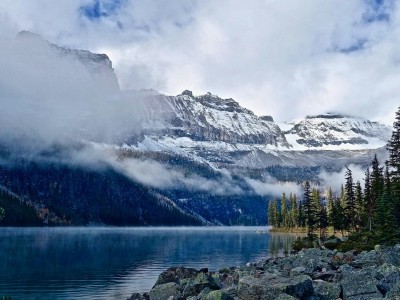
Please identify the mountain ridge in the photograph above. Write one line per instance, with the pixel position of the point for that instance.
(138, 157)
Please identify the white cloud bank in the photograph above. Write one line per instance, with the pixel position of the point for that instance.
(155, 174)
(284, 58)
(335, 180)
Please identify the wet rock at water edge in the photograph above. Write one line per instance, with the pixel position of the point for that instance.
(270, 286)
(164, 291)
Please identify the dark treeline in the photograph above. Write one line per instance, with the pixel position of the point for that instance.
(19, 212)
(368, 213)
(62, 194)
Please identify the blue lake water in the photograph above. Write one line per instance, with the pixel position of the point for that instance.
(112, 263)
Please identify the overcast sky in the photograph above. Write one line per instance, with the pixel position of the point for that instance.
(282, 58)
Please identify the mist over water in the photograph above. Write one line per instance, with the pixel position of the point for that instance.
(112, 263)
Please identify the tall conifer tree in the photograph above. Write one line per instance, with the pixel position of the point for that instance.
(349, 207)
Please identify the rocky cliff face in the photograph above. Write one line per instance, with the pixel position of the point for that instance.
(206, 118)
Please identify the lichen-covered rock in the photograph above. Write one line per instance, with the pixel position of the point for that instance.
(225, 280)
(366, 259)
(197, 284)
(326, 290)
(325, 275)
(137, 296)
(388, 276)
(270, 286)
(386, 270)
(391, 256)
(340, 259)
(231, 291)
(285, 297)
(313, 260)
(297, 271)
(164, 291)
(217, 295)
(394, 292)
(176, 275)
(359, 284)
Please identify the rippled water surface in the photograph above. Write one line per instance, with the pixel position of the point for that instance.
(112, 263)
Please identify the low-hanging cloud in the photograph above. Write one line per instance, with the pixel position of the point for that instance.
(335, 180)
(155, 174)
(49, 97)
(273, 188)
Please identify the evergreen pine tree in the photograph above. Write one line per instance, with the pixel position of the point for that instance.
(385, 224)
(271, 214)
(277, 214)
(284, 211)
(339, 216)
(359, 207)
(394, 147)
(349, 207)
(308, 209)
(322, 221)
(394, 163)
(377, 185)
(301, 220)
(293, 211)
(329, 198)
(368, 205)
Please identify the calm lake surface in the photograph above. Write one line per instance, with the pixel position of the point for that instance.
(112, 263)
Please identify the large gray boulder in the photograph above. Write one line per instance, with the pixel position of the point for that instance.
(359, 284)
(388, 276)
(366, 259)
(217, 295)
(200, 282)
(313, 260)
(164, 291)
(394, 292)
(270, 286)
(326, 290)
(391, 255)
(176, 274)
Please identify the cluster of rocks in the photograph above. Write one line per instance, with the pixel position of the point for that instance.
(310, 274)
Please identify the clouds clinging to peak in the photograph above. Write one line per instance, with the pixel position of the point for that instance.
(284, 58)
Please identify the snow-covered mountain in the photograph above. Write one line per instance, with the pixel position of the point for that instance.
(336, 132)
(142, 157)
(224, 134)
(205, 118)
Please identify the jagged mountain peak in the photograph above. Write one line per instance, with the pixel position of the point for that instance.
(206, 118)
(334, 130)
(215, 102)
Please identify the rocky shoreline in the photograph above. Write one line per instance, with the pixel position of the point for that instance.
(310, 274)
